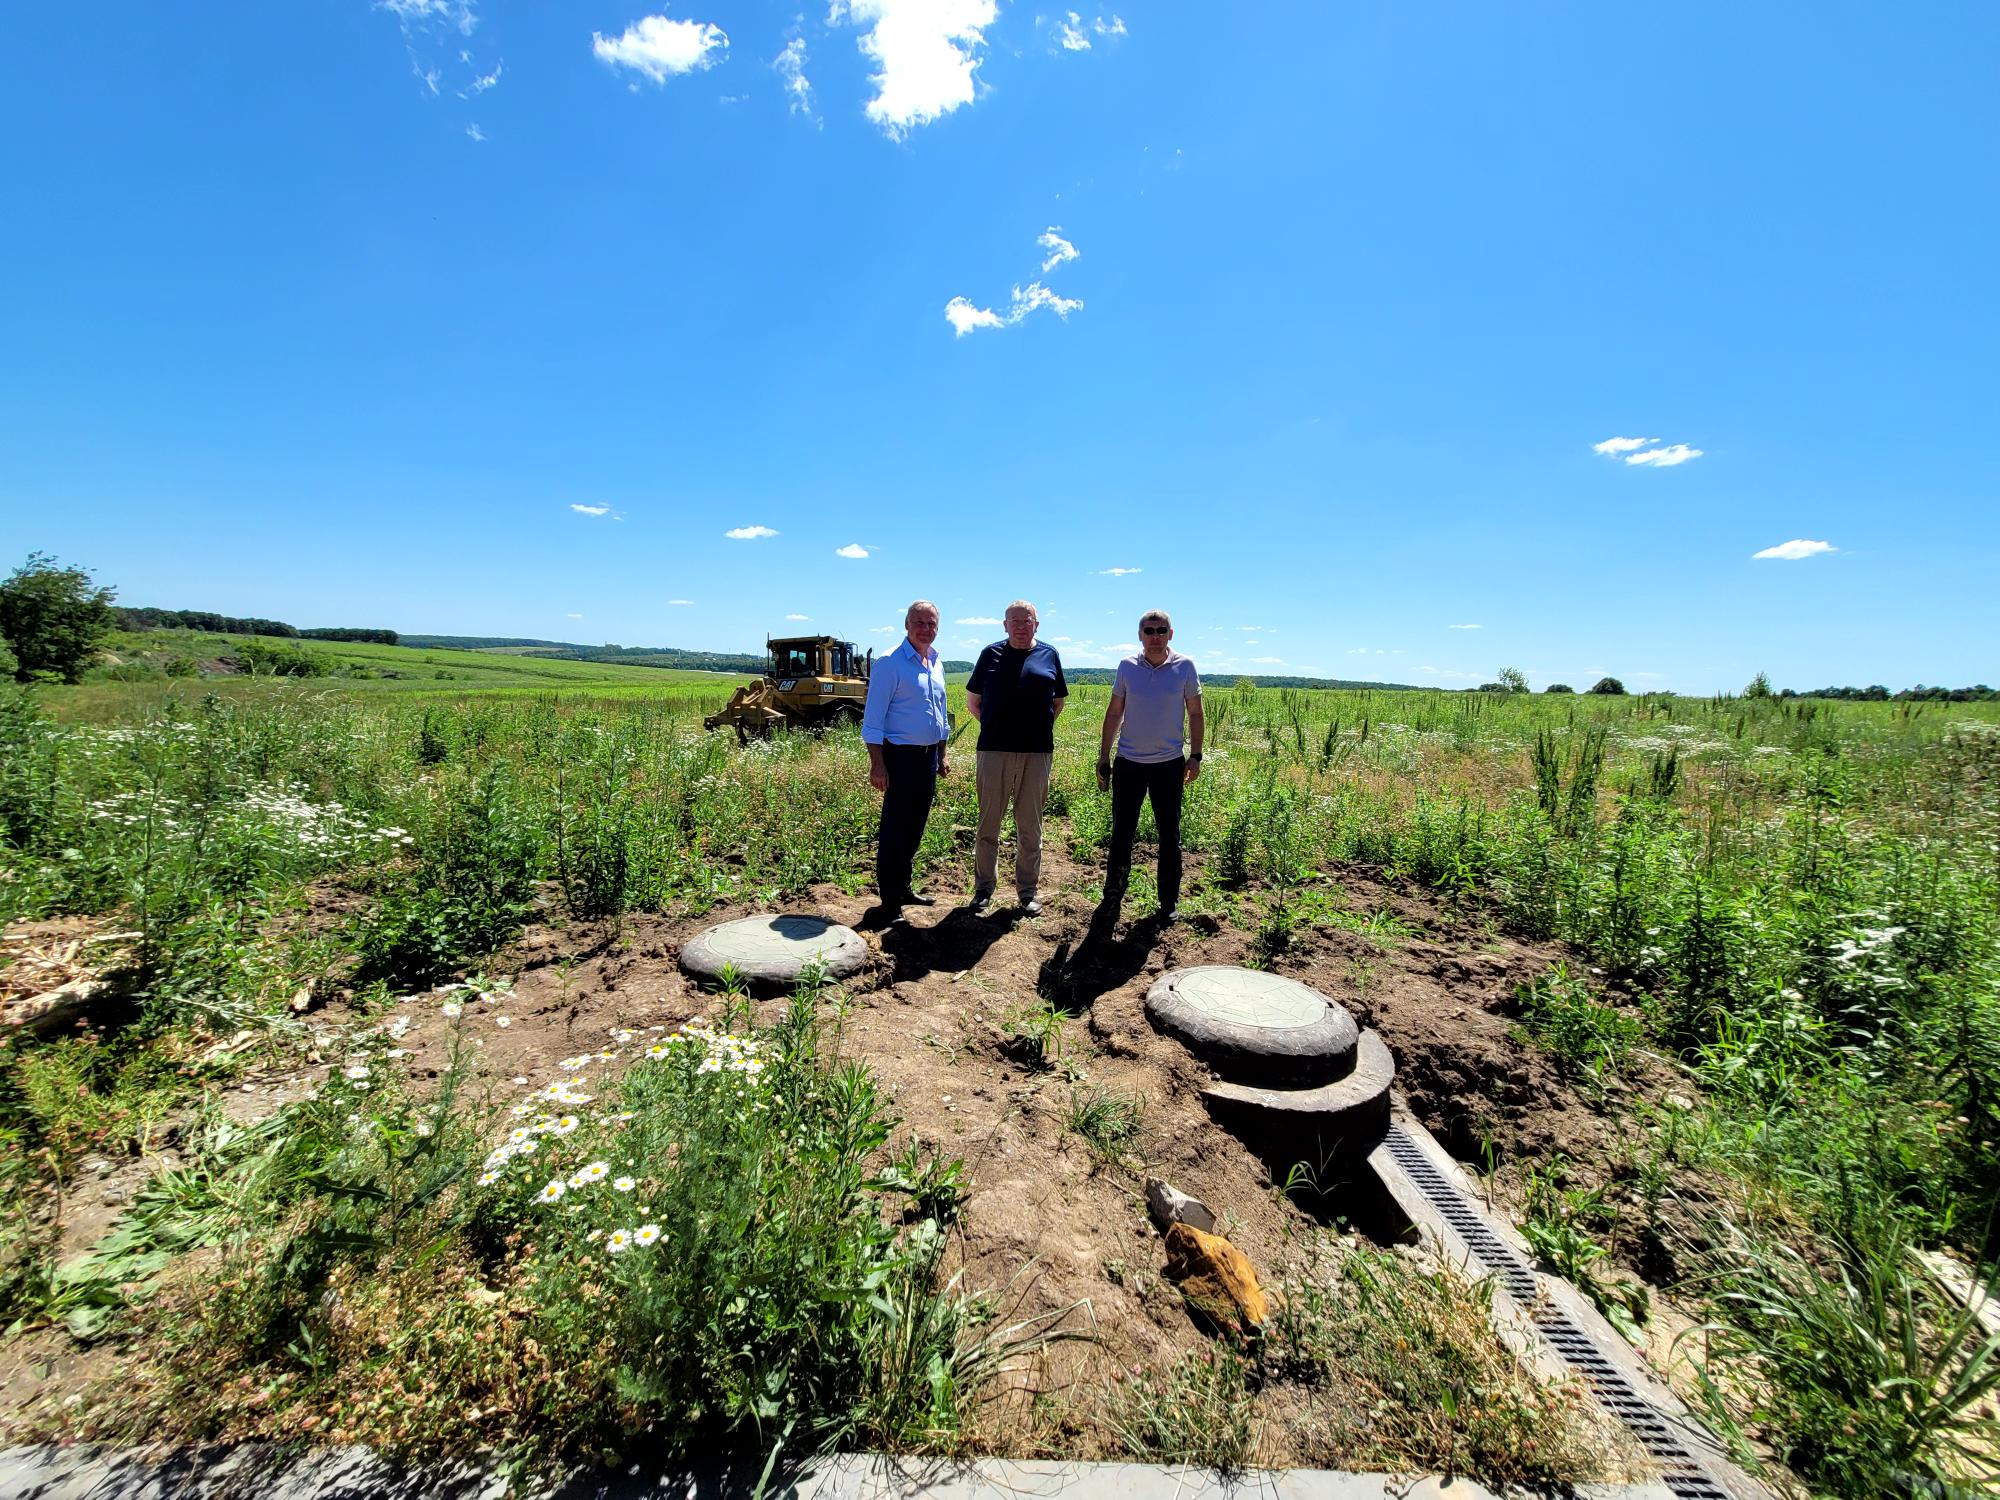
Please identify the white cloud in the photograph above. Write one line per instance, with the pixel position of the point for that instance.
(680, 601)
(574, 617)
(473, 132)
(1793, 550)
(964, 317)
(748, 533)
(852, 549)
(882, 630)
(924, 56)
(1060, 639)
(1038, 295)
(791, 66)
(1117, 572)
(1664, 458)
(1122, 646)
(1612, 447)
(1465, 627)
(1073, 33)
(481, 82)
(661, 48)
(590, 510)
(798, 617)
(1059, 248)
(456, 13)
(977, 620)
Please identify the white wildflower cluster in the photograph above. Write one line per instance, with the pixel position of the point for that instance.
(722, 1051)
(588, 1176)
(286, 810)
(1860, 953)
(135, 809)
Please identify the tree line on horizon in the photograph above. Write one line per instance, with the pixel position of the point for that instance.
(53, 618)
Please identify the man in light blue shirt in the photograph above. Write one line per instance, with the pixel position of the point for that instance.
(905, 728)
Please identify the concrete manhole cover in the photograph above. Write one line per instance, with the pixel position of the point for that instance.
(773, 950)
(1255, 1027)
(1250, 997)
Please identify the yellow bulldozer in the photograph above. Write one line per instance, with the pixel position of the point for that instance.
(812, 682)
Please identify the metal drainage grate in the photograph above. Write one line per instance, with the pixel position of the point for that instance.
(1681, 1471)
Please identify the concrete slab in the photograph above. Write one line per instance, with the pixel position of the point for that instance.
(772, 951)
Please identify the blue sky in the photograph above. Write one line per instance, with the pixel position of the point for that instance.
(1303, 321)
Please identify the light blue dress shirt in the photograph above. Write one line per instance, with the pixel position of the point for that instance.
(906, 700)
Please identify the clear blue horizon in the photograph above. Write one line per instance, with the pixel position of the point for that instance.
(1398, 343)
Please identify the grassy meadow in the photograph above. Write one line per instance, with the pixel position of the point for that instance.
(1792, 904)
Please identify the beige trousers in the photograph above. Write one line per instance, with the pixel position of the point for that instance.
(1022, 778)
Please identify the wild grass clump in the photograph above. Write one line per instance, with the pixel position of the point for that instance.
(1412, 1378)
(1201, 1410)
(1107, 1121)
(1592, 1042)
(1882, 1382)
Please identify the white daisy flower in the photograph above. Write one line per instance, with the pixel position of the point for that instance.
(624, 1184)
(452, 1010)
(551, 1191)
(358, 1070)
(487, 1178)
(584, 1176)
(565, 1125)
(503, 1021)
(645, 1234)
(619, 1242)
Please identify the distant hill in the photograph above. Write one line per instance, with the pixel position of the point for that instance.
(630, 656)
(1104, 676)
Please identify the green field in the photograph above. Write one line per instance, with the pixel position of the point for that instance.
(141, 664)
(1792, 906)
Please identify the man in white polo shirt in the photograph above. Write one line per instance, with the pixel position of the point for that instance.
(1156, 721)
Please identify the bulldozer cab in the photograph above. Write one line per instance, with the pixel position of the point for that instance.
(815, 656)
(810, 682)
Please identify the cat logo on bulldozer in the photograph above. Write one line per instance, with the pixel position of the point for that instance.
(811, 682)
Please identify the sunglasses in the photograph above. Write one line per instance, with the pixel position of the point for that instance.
(1154, 629)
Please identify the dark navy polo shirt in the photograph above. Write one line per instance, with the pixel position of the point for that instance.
(1017, 693)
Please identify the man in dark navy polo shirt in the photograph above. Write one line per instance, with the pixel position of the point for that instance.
(1015, 693)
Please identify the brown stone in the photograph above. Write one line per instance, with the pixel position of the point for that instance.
(1216, 1279)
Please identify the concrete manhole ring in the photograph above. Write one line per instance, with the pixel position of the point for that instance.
(773, 950)
(1254, 1027)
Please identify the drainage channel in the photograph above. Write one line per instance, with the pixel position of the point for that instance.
(1681, 1470)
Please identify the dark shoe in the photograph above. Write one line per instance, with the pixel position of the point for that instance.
(1030, 907)
(982, 902)
(911, 898)
(1169, 916)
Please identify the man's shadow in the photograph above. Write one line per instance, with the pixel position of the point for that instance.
(1100, 962)
(954, 943)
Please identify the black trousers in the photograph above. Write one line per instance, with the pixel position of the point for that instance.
(906, 807)
(1131, 784)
